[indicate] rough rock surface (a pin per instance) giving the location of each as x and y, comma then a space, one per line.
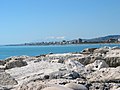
64, 74
34, 70
33, 85
92, 69
6, 79
97, 65
105, 75
89, 50
15, 63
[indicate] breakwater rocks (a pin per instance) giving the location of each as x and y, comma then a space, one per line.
90, 69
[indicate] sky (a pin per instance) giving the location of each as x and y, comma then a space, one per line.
44, 20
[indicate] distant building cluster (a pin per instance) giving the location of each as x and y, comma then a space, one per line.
63, 42
111, 40
67, 42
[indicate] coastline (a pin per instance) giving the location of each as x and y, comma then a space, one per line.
5, 51
90, 69
60, 44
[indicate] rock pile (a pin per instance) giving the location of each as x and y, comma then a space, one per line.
91, 69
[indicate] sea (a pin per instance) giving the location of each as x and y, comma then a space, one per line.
9, 51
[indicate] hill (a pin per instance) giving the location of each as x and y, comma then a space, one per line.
102, 39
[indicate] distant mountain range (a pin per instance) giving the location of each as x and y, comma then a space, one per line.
101, 39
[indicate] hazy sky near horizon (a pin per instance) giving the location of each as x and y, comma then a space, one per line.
38, 20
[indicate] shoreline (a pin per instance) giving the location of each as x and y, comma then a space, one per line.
62, 44
92, 68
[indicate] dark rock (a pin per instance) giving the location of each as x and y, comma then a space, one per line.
101, 50
46, 77
89, 50
2, 62
4, 88
15, 63
113, 61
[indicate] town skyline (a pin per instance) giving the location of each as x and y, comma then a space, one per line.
97, 40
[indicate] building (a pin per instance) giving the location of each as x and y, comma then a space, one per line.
79, 40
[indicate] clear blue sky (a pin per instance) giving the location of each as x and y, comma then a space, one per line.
38, 20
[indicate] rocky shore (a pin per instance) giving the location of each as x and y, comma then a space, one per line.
90, 69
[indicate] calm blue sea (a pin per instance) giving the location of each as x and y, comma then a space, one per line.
7, 51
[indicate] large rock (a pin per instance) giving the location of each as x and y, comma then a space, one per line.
112, 58
84, 60
105, 75
16, 58
15, 63
34, 71
102, 50
75, 86
74, 65
64, 74
39, 85
89, 50
113, 61
6, 79
87, 59
97, 65
36, 85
